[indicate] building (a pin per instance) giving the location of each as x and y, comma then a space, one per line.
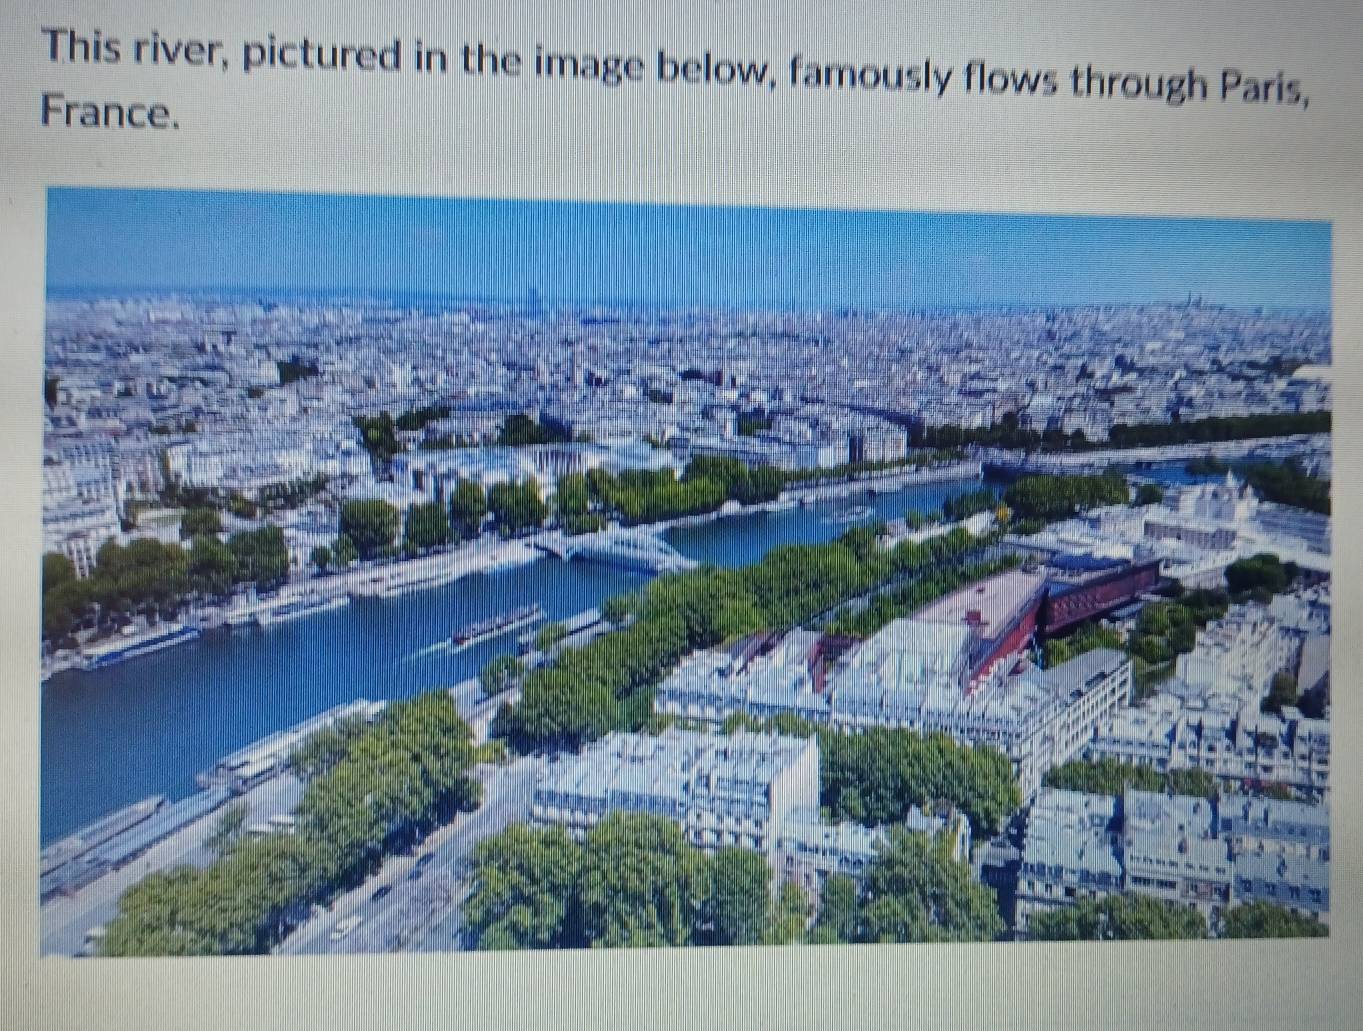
1242, 746
1202, 853
1299, 883
810, 851
1274, 827
1070, 853
737, 790
1238, 655
915, 675
1172, 851
761, 676
954, 668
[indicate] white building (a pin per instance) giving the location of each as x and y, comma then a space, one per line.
737, 790
1070, 853
1188, 851
1243, 745
1237, 655
761, 676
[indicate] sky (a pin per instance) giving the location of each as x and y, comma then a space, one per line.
163, 240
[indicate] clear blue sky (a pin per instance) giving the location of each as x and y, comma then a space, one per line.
742, 257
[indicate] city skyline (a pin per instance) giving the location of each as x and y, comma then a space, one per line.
174, 241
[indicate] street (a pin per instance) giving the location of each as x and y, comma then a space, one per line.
421, 913
67, 919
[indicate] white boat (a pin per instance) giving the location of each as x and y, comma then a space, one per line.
132, 646
297, 609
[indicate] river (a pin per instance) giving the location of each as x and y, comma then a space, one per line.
146, 726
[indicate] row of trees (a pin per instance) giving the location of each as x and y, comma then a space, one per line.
379, 433
636, 882
1049, 497
368, 529
370, 789
153, 579
1110, 777
1131, 917
1009, 433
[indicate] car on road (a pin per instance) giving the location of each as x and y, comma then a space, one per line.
344, 927
425, 859
380, 892
416, 872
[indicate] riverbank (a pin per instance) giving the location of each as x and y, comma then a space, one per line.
105, 742
487, 555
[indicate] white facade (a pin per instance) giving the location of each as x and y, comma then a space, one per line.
737, 790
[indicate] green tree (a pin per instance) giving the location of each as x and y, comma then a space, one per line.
517, 506
198, 522
1110, 777
468, 507
1265, 920
344, 552
571, 497
524, 885
641, 885
1058, 497
1125, 917
212, 566
379, 436
65, 598
321, 750
1260, 572
736, 911
262, 556
58, 571
370, 526
391, 782
1149, 494
787, 917
428, 526
549, 635
499, 674
617, 609
228, 830
1282, 692
838, 909
520, 430
321, 557
914, 891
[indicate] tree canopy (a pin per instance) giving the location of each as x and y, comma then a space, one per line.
427, 526
1265, 920
1110, 777
468, 507
369, 525
1059, 497
1126, 917
370, 788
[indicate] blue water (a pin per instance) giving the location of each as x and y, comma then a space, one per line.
146, 726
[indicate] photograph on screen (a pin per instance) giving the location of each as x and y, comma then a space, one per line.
426, 575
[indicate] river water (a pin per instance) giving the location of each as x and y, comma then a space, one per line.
146, 726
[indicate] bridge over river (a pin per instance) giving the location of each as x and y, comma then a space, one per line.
635, 550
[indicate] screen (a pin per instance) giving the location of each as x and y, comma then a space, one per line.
742, 515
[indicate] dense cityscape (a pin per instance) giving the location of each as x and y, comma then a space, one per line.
1026, 636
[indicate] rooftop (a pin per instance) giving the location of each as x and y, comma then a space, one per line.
989, 606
